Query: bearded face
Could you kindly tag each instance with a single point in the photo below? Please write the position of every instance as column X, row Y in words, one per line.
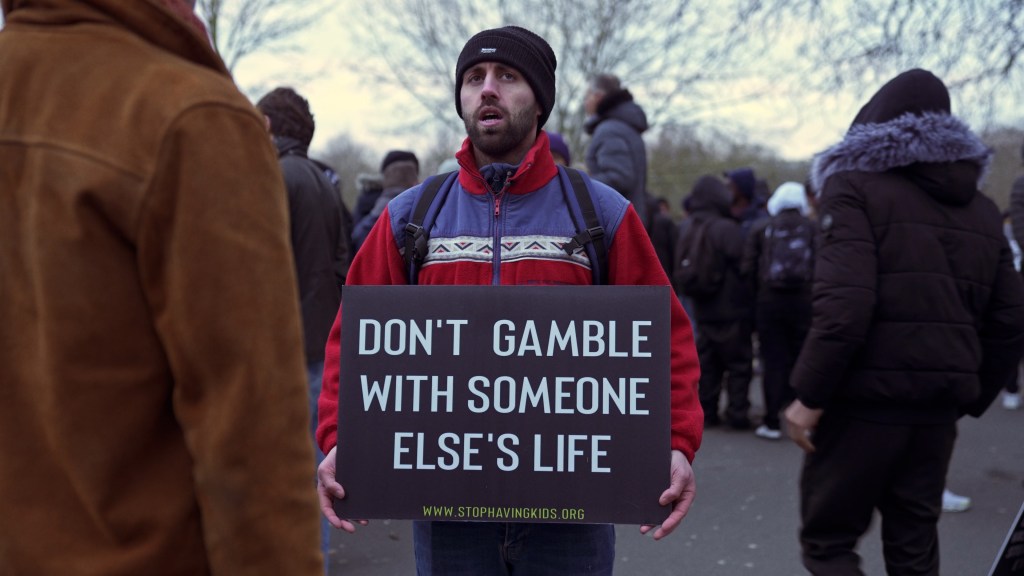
column 497, row 131
column 499, row 111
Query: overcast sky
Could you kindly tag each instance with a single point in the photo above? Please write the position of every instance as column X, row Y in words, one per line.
column 322, row 68
column 322, row 71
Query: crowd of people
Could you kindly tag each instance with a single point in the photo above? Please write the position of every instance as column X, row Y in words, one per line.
column 172, row 268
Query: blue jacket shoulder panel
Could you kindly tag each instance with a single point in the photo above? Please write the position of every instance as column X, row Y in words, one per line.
column 542, row 212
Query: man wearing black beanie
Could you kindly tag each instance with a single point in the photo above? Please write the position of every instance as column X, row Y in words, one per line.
column 504, row 219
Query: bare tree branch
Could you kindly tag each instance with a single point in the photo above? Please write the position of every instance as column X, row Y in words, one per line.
column 974, row 46
column 239, row 28
column 664, row 52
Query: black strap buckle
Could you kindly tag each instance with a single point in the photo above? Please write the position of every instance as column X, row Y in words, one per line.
column 419, row 241
column 580, row 240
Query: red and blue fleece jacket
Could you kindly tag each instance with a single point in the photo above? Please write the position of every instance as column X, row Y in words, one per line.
column 514, row 238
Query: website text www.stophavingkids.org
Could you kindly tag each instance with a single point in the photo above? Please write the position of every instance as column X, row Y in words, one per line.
column 490, row 513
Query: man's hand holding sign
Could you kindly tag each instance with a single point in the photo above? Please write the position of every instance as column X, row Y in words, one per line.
column 508, row 404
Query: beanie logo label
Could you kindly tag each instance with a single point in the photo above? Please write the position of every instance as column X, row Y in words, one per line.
column 488, row 50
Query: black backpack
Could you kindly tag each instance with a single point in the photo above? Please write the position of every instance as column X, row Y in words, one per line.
column 700, row 273
column 789, row 249
column 589, row 236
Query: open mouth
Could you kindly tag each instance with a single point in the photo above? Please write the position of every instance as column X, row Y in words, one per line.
column 490, row 117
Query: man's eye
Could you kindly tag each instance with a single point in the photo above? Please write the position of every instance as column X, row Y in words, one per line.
column 508, row 76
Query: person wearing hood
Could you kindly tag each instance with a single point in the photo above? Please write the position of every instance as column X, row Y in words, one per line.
column 152, row 379
column 616, row 154
column 723, row 314
column 749, row 196
column 918, row 319
column 778, row 266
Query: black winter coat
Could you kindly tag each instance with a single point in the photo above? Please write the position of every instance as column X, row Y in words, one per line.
column 318, row 243
column 918, row 312
column 710, row 202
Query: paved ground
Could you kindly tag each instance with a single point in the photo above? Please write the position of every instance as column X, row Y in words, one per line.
column 745, row 518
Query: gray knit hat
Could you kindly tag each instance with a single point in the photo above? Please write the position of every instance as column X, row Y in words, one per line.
column 516, row 47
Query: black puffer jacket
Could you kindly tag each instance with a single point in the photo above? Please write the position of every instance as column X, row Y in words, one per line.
column 918, row 312
column 709, row 201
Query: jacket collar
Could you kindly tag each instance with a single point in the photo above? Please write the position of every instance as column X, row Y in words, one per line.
column 168, row 24
column 536, row 169
column 287, row 146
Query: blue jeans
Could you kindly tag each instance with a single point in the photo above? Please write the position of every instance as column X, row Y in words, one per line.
column 494, row 548
column 315, row 376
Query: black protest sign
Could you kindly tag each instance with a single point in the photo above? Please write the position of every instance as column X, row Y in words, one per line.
column 1011, row 555
column 505, row 403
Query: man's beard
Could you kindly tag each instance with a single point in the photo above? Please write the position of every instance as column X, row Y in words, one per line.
column 497, row 143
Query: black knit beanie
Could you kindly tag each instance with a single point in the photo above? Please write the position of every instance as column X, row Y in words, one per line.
column 399, row 156
column 516, row 47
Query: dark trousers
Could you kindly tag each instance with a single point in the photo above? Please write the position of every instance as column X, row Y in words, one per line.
column 859, row 467
column 782, row 325
column 497, row 548
column 725, row 353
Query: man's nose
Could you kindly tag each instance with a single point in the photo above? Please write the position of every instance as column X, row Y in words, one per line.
column 489, row 89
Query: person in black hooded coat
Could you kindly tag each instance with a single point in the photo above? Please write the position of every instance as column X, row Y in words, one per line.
column 918, row 318
column 724, row 317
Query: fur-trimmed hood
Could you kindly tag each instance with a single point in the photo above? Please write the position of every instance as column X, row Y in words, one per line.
column 931, row 138
column 907, row 125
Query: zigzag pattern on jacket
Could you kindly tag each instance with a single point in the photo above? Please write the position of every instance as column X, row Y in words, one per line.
column 513, row 249
column 909, row 139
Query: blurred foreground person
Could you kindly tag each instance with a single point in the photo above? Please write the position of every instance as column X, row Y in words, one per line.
column 153, row 414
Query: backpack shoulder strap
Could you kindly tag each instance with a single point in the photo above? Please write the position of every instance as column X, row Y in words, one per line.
column 589, row 236
column 417, row 231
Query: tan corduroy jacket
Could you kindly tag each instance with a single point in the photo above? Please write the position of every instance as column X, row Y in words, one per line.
column 153, row 411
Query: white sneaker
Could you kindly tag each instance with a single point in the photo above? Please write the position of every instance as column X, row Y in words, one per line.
column 954, row 503
column 1011, row 400
column 768, row 433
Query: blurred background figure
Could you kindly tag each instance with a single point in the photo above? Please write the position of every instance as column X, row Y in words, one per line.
column 559, row 149
column 399, row 171
column 778, row 266
column 617, row 154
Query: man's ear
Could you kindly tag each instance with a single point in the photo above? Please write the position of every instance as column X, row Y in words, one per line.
column 266, row 122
